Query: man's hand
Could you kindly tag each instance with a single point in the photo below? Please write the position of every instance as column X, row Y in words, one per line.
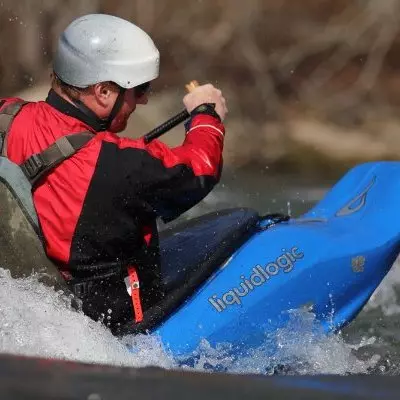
column 206, row 94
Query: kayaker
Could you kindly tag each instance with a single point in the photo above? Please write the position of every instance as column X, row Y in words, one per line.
column 98, row 208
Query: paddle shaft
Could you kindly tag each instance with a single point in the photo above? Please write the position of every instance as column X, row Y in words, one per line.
column 172, row 122
column 166, row 126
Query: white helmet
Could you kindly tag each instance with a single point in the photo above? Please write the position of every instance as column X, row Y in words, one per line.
column 98, row 48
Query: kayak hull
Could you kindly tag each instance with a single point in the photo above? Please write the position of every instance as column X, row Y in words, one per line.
column 328, row 261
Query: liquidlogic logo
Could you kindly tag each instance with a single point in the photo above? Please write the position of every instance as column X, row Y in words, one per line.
column 260, row 275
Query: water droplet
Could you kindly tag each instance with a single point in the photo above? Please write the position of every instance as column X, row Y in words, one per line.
column 94, row 396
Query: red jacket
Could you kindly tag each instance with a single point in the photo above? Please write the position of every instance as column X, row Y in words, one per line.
column 99, row 207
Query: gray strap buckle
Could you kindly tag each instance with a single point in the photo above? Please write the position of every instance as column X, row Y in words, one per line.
column 33, row 166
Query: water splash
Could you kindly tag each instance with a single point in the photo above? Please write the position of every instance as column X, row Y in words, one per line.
column 302, row 348
column 37, row 321
column 386, row 297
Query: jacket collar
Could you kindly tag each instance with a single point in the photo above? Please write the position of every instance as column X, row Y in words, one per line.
column 64, row 106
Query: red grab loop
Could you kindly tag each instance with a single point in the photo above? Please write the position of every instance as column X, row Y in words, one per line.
column 135, row 293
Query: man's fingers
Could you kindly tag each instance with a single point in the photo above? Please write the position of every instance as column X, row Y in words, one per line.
column 206, row 94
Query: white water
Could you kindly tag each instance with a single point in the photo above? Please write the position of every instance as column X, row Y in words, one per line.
column 301, row 345
column 36, row 321
column 386, row 298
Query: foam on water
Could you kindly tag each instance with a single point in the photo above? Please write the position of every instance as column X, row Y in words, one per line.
column 386, row 296
column 36, row 321
column 303, row 348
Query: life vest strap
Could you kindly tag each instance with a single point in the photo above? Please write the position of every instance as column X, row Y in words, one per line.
column 7, row 115
column 40, row 164
column 134, row 291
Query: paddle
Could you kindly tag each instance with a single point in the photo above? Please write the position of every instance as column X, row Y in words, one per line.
column 172, row 122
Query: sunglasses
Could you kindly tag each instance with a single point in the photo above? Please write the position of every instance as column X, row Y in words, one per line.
column 142, row 89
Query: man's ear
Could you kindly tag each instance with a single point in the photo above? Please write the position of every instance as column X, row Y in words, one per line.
column 103, row 92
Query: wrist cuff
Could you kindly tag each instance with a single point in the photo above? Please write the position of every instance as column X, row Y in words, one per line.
column 206, row 108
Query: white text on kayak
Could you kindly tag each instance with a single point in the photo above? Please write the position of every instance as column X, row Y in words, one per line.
column 260, row 275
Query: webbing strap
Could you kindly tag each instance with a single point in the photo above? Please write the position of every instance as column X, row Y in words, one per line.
column 38, row 165
column 7, row 115
column 133, row 287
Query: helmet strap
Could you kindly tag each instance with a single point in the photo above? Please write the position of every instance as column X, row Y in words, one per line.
column 117, row 106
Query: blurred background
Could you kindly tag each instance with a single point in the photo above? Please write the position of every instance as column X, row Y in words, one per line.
column 313, row 86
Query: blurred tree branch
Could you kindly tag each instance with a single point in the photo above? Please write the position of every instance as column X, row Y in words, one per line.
column 322, row 55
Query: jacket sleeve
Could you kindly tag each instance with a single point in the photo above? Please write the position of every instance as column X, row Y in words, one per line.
column 172, row 180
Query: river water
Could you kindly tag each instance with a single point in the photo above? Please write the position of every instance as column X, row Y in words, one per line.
column 37, row 321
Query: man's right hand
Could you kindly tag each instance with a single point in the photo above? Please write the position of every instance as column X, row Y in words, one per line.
column 206, row 94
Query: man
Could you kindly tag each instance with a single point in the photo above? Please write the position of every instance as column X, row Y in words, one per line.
column 98, row 208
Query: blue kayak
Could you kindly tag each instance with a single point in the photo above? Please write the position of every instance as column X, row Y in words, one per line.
column 330, row 260
column 232, row 276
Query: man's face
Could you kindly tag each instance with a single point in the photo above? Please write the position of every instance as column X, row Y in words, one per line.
column 132, row 98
